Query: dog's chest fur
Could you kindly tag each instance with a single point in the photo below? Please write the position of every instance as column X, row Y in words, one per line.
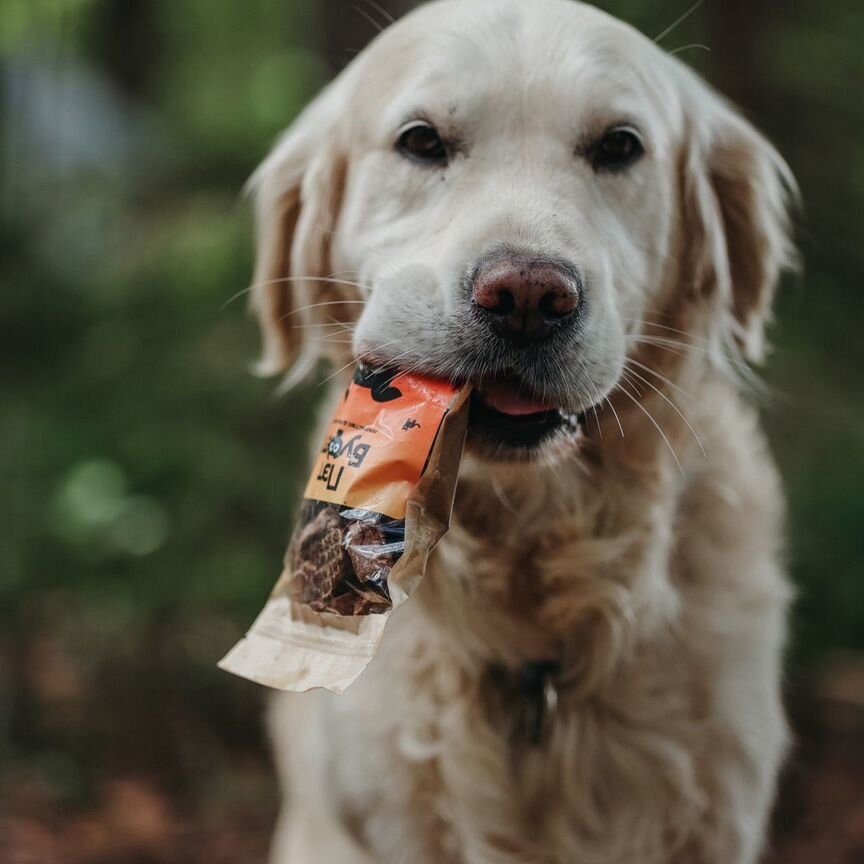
column 652, row 737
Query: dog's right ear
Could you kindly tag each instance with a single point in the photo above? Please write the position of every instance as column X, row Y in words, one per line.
column 298, row 191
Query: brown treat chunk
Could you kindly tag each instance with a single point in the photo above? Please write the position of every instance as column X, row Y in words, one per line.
column 365, row 606
column 305, row 586
column 317, row 559
column 361, row 539
column 343, row 604
column 319, row 537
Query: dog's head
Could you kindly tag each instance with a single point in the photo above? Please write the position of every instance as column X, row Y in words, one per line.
column 515, row 194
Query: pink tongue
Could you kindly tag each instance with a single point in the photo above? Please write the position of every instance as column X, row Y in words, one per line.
column 507, row 399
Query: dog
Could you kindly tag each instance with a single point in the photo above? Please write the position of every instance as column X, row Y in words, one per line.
column 534, row 198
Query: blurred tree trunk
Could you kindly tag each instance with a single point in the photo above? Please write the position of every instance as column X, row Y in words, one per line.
column 349, row 25
column 737, row 34
column 126, row 42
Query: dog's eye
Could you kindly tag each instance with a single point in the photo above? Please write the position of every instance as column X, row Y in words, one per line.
column 422, row 143
column 617, row 149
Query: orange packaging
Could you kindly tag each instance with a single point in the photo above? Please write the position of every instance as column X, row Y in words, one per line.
column 378, row 441
column 378, row 500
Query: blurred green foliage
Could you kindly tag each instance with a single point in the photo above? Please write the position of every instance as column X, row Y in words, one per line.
column 150, row 480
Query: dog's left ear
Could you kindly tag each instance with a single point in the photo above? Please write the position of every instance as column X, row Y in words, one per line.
column 298, row 191
column 738, row 190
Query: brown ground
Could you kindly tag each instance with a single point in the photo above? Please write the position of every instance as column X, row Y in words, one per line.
column 135, row 819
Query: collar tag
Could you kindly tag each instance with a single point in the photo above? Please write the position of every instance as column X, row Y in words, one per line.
column 538, row 685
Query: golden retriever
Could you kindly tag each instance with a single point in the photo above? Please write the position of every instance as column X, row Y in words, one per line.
column 530, row 196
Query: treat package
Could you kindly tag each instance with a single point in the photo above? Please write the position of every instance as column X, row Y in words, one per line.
column 378, row 500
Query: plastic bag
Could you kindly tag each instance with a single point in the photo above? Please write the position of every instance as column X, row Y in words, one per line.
column 378, row 500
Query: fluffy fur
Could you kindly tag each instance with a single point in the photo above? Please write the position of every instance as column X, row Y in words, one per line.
column 648, row 562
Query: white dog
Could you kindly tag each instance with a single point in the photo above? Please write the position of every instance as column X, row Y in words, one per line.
column 531, row 196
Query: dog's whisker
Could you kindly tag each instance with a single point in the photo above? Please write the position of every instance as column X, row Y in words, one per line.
column 501, row 495
column 674, row 407
column 318, row 306
column 330, row 377
column 347, row 326
column 688, row 47
column 642, row 322
column 410, row 370
column 334, row 335
column 669, row 349
column 376, row 24
column 609, row 402
column 692, row 340
column 381, row 11
column 666, row 342
column 679, row 20
column 396, row 359
column 318, row 326
column 596, row 394
column 597, row 397
column 682, row 348
column 330, row 279
column 656, row 425
column 344, row 331
column 236, row 296
column 667, row 381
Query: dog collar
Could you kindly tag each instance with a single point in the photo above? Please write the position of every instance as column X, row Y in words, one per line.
column 529, row 695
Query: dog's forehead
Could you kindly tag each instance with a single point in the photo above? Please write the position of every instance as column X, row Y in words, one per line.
column 467, row 58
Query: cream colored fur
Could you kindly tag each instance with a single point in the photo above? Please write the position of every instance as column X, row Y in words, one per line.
column 652, row 569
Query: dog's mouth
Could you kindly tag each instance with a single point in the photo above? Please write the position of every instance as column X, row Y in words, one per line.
column 507, row 420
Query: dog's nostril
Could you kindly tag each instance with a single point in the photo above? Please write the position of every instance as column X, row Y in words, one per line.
column 553, row 305
column 495, row 298
column 506, row 303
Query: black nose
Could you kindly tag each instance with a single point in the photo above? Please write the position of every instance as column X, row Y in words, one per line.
column 525, row 299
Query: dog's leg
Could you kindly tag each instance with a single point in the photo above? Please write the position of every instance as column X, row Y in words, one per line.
column 307, row 831
column 306, row 837
column 748, row 738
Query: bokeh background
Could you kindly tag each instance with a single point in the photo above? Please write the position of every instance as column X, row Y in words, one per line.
column 148, row 480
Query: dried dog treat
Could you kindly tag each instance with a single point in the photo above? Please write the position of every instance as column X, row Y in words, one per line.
column 368, row 550
column 306, row 587
column 318, row 559
column 377, row 501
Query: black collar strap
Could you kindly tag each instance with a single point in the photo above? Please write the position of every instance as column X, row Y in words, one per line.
column 529, row 696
